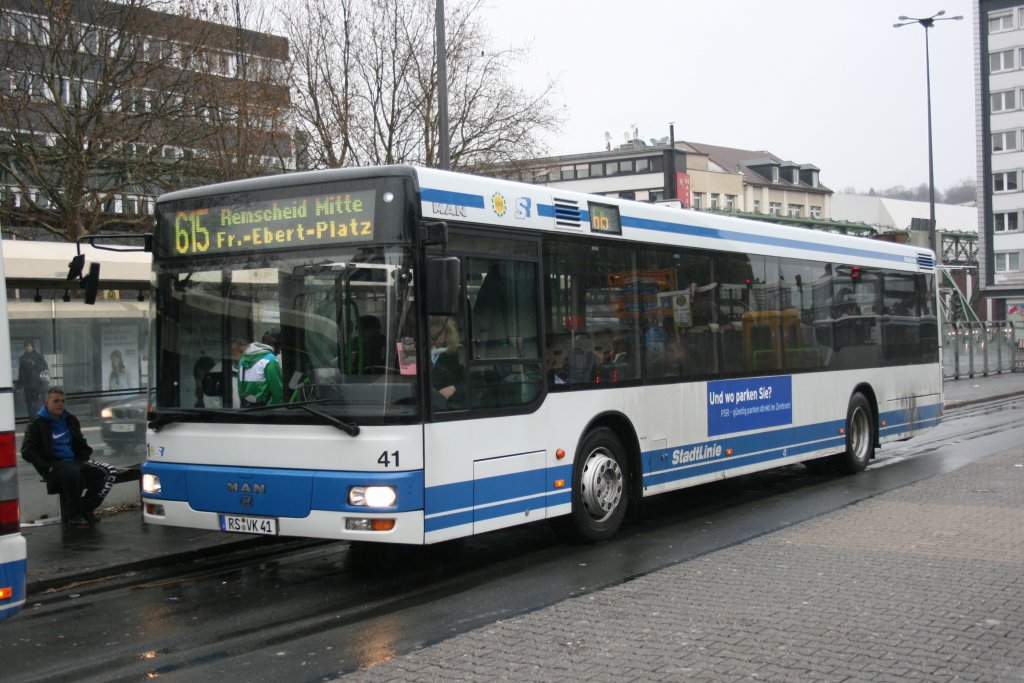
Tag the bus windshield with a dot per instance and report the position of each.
(343, 316)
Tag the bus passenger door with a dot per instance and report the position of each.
(484, 457)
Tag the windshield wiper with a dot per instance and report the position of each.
(349, 428)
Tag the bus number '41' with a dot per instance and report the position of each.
(385, 459)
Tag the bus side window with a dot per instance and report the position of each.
(505, 367)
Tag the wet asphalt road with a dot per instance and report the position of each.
(328, 609)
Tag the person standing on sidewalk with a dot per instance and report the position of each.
(33, 375)
(56, 447)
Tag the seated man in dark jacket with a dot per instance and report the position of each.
(54, 444)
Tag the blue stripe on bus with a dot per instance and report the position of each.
(757, 238)
(474, 201)
(13, 574)
(467, 494)
(548, 211)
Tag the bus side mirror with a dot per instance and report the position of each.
(443, 285)
(91, 283)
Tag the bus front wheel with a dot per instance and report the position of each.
(860, 436)
(600, 489)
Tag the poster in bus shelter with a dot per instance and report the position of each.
(119, 359)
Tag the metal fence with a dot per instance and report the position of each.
(977, 349)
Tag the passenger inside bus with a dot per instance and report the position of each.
(447, 373)
(259, 372)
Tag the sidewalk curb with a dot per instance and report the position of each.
(986, 399)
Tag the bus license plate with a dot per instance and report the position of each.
(248, 525)
(122, 428)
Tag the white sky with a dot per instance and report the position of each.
(826, 82)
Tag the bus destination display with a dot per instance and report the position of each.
(604, 218)
(304, 221)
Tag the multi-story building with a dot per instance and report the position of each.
(999, 63)
(103, 105)
(132, 102)
(699, 176)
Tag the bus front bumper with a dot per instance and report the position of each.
(381, 527)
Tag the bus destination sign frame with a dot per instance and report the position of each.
(322, 219)
(604, 218)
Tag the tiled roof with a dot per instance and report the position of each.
(733, 159)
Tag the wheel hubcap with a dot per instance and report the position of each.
(860, 434)
(601, 485)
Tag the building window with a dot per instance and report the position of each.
(730, 202)
(1005, 141)
(1000, 22)
(757, 206)
(698, 201)
(1000, 61)
(597, 170)
(1003, 101)
(582, 171)
(1007, 261)
(775, 208)
(1005, 181)
(27, 28)
(815, 212)
(643, 166)
(1005, 222)
(656, 195)
(714, 201)
(775, 169)
(796, 210)
(625, 167)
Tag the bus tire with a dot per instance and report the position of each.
(600, 487)
(860, 436)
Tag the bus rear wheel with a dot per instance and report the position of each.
(860, 436)
(600, 488)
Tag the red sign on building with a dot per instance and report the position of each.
(683, 188)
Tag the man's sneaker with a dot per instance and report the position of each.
(79, 522)
(91, 519)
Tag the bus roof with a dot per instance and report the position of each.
(451, 196)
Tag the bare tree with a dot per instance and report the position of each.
(83, 109)
(237, 108)
(104, 105)
(368, 87)
(320, 36)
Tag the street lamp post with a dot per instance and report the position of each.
(928, 22)
(443, 147)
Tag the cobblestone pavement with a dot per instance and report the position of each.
(922, 583)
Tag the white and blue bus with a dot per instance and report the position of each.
(12, 544)
(461, 354)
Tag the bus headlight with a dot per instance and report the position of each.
(372, 496)
(151, 483)
(107, 413)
